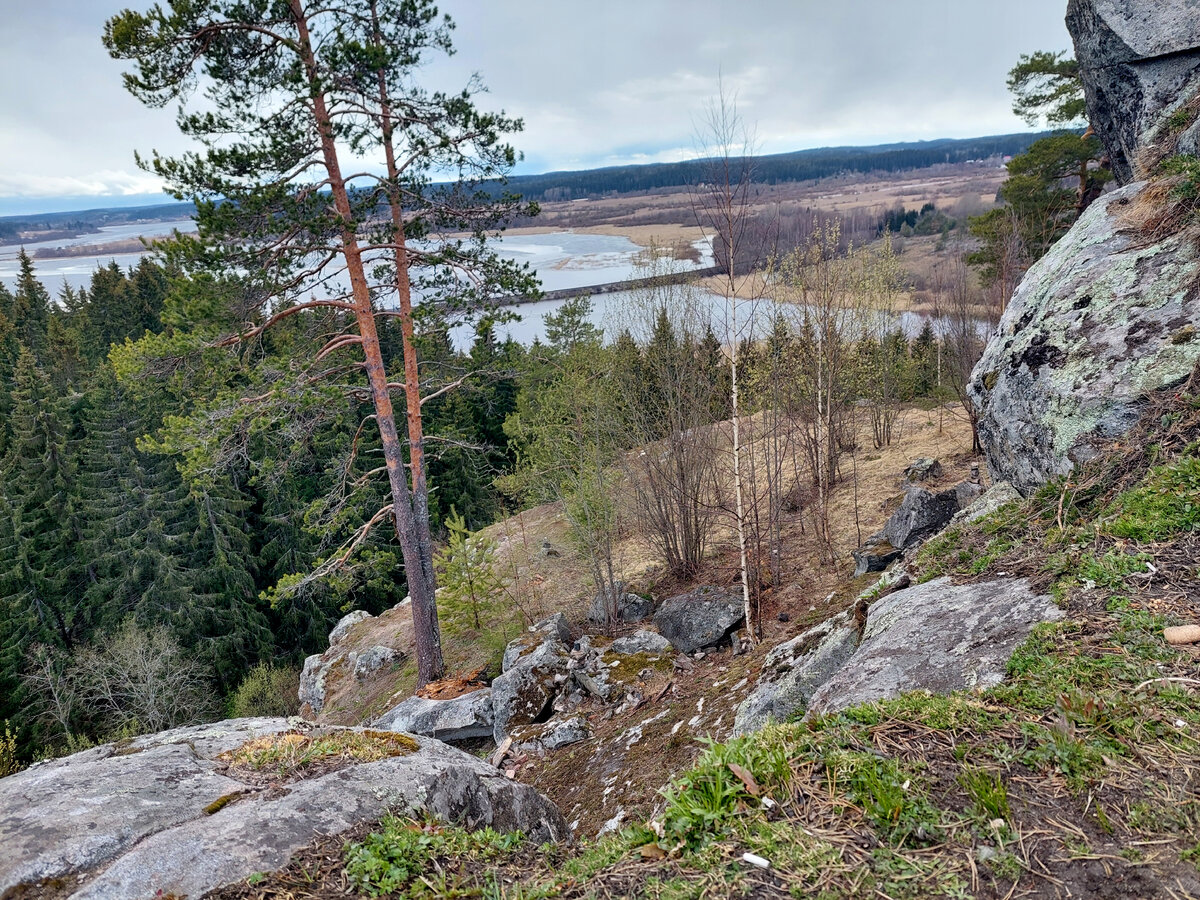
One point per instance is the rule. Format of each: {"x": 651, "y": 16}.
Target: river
{"x": 561, "y": 259}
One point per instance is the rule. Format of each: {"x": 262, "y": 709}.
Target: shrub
{"x": 8, "y": 752}
{"x": 267, "y": 690}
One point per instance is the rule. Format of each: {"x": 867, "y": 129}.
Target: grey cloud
{"x": 597, "y": 83}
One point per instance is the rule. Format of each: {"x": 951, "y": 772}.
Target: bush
{"x": 8, "y": 752}
{"x": 267, "y": 690}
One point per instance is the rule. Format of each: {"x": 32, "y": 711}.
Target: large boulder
{"x": 939, "y": 637}
{"x": 1096, "y": 323}
{"x": 552, "y": 628}
{"x": 1140, "y": 62}
{"x": 794, "y": 670}
{"x": 164, "y": 816}
{"x": 461, "y": 718}
{"x": 921, "y": 515}
{"x": 629, "y": 607}
{"x": 699, "y": 618}
{"x": 640, "y": 642}
{"x": 525, "y": 693}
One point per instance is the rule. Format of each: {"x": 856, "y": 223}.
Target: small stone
{"x": 783, "y": 617}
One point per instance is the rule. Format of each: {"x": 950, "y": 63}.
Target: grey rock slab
{"x": 874, "y": 556}
{"x": 939, "y": 637}
{"x": 640, "y": 642}
{"x": 794, "y": 670}
{"x": 925, "y": 468}
{"x": 462, "y": 718}
{"x": 1139, "y": 61}
{"x": 133, "y": 826}
{"x": 1095, "y": 325}
{"x": 525, "y": 692}
{"x": 699, "y": 618}
{"x": 75, "y": 813}
{"x": 999, "y": 494}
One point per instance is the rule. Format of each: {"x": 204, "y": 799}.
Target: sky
{"x": 597, "y": 83}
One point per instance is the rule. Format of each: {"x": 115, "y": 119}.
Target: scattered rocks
{"x": 1139, "y": 61}
{"x": 939, "y": 637}
{"x": 699, "y": 618}
{"x": 640, "y": 642}
{"x": 549, "y": 551}
{"x": 161, "y": 816}
{"x": 1095, "y": 325}
{"x": 923, "y": 469}
{"x": 552, "y": 735}
{"x": 462, "y": 718}
{"x": 629, "y": 607}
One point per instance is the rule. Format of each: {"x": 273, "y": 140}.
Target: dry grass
{"x": 296, "y": 755}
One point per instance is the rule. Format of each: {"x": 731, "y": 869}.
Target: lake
{"x": 562, "y": 260}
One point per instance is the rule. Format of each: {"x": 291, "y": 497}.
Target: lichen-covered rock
{"x": 999, "y": 494}
{"x": 553, "y": 628}
{"x": 640, "y": 642}
{"x": 460, "y": 719}
{"x": 161, "y": 816}
{"x": 926, "y": 468}
{"x": 939, "y": 637}
{"x": 365, "y": 663}
{"x": 525, "y": 692}
{"x": 629, "y": 607}
{"x": 699, "y": 618}
{"x": 312, "y": 683}
{"x": 794, "y": 670}
{"x": 1096, "y": 324}
{"x": 1139, "y": 61}
{"x": 345, "y": 623}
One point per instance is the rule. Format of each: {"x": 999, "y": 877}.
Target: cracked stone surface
{"x": 1095, "y": 325}
{"x": 939, "y": 637}
{"x": 129, "y": 821}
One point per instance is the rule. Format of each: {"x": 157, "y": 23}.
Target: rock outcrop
{"x": 794, "y": 670}
{"x": 939, "y": 637}
{"x": 164, "y": 816}
{"x": 699, "y": 618}
{"x": 463, "y": 718}
{"x": 1140, "y": 62}
{"x": 1097, "y": 323}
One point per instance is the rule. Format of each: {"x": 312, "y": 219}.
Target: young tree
{"x": 315, "y": 180}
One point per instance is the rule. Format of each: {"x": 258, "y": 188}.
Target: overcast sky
{"x": 598, "y": 82}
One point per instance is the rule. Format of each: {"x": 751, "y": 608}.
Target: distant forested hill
{"x": 801, "y": 165}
